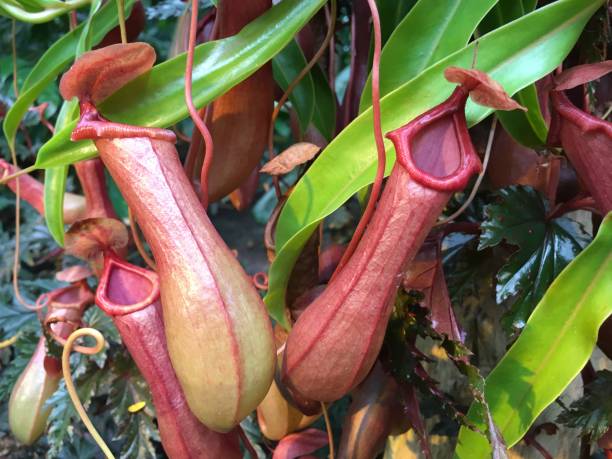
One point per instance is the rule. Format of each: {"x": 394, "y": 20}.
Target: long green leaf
{"x": 324, "y": 117}
{"x": 156, "y": 98}
{"x": 528, "y": 128}
{"x": 53, "y": 61}
{"x": 516, "y": 55}
{"x": 552, "y": 349}
{"x": 286, "y": 65}
{"x": 430, "y": 32}
{"x": 55, "y": 181}
{"x": 391, "y": 13}
{"x": 55, "y": 186}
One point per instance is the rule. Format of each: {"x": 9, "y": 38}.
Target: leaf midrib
{"x": 560, "y": 336}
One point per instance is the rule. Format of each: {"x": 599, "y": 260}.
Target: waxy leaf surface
{"x": 528, "y": 128}
{"x": 434, "y": 30}
{"x": 552, "y": 349}
{"x": 156, "y": 98}
{"x": 546, "y": 247}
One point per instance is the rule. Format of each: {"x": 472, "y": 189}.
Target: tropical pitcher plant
{"x": 306, "y": 228}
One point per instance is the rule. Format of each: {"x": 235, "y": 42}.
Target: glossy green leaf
{"x": 528, "y": 128}
{"x": 516, "y": 55}
{"x": 22, "y": 13}
{"x": 429, "y": 33}
{"x": 156, "y": 98}
{"x": 55, "y": 181}
{"x": 552, "y": 349}
{"x": 545, "y": 248}
{"x": 286, "y": 65}
{"x": 55, "y": 177}
{"x": 391, "y": 13}
{"x": 592, "y": 413}
{"x": 324, "y": 117}
{"x": 55, "y": 185}
{"x": 54, "y": 61}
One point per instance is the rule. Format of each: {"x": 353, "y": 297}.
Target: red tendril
{"x": 380, "y": 145}
{"x": 208, "y": 141}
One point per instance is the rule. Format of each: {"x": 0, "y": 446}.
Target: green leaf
{"x": 134, "y": 430}
{"x": 22, "y": 13}
{"x": 592, "y": 413}
{"x": 528, "y": 128}
{"x": 391, "y": 13}
{"x": 432, "y": 30}
{"x": 55, "y": 186}
{"x": 546, "y": 247}
{"x": 516, "y": 55}
{"x": 55, "y": 182}
{"x": 552, "y": 349}
{"x": 54, "y": 61}
{"x": 286, "y": 65}
{"x": 63, "y": 416}
{"x": 324, "y": 117}
{"x": 156, "y": 98}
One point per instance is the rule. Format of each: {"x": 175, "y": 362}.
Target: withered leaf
{"x": 292, "y": 157}
{"x": 484, "y": 90}
{"x": 87, "y": 238}
{"x": 426, "y": 275}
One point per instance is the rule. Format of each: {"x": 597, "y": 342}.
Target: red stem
{"x": 208, "y": 141}
{"x": 380, "y": 144}
{"x": 580, "y": 202}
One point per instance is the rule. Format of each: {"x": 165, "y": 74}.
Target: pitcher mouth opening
{"x": 125, "y": 288}
{"x": 436, "y": 148}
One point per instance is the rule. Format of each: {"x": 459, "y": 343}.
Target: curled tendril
{"x": 100, "y": 342}
{"x": 63, "y": 341}
{"x": 9, "y": 342}
{"x": 260, "y": 280}
{"x": 293, "y": 84}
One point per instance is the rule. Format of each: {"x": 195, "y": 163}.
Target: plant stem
{"x": 380, "y": 143}
{"x": 328, "y": 427}
{"x": 121, "y": 14}
{"x": 208, "y": 141}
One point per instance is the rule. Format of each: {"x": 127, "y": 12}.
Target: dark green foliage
{"x": 545, "y": 247}
{"x": 592, "y": 413}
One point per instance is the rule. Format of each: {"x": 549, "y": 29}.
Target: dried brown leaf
{"x": 87, "y": 238}
{"x": 426, "y": 275}
{"x": 483, "y": 89}
{"x": 292, "y": 157}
